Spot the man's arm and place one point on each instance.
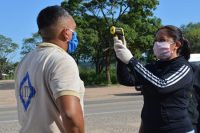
(71, 113)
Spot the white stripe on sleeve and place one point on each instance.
(162, 83)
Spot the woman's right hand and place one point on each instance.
(122, 52)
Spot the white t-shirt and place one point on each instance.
(43, 75)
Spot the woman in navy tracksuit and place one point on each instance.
(166, 83)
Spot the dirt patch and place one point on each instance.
(7, 97)
(108, 92)
(7, 92)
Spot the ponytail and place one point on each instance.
(185, 49)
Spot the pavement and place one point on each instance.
(7, 92)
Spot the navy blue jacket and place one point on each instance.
(166, 89)
(194, 103)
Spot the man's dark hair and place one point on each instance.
(50, 15)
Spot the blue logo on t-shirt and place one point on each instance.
(26, 91)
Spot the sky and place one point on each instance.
(18, 17)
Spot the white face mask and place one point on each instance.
(162, 50)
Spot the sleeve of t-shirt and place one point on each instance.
(64, 78)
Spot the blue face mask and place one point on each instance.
(72, 45)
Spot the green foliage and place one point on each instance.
(94, 19)
(90, 77)
(7, 47)
(192, 33)
(30, 43)
(9, 70)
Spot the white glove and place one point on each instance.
(122, 52)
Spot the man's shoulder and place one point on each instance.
(61, 56)
(49, 56)
(53, 52)
(59, 59)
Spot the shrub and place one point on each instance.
(89, 76)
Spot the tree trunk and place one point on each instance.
(108, 67)
(97, 67)
(98, 63)
(1, 76)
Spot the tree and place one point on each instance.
(6, 48)
(30, 43)
(191, 31)
(94, 19)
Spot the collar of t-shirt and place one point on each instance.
(46, 44)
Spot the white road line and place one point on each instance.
(8, 112)
(102, 113)
(8, 106)
(89, 114)
(112, 103)
(8, 121)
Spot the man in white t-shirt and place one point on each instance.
(48, 88)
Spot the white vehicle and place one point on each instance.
(195, 58)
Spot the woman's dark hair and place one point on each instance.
(176, 34)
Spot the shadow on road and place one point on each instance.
(7, 86)
(129, 94)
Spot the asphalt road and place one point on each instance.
(103, 116)
(114, 115)
(109, 114)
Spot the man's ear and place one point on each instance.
(65, 35)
